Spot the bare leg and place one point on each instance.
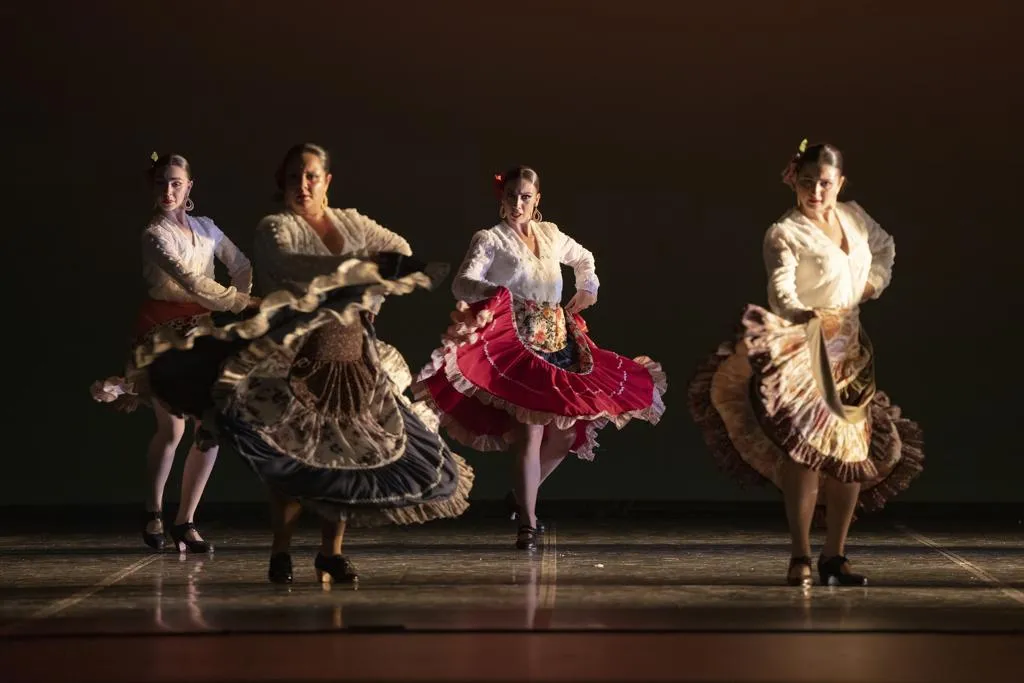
(800, 492)
(198, 466)
(160, 458)
(331, 565)
(554, 447)
(331, 536)
(284, 516)
(528, 471)
(840, 503)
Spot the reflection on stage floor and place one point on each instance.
(638, 578)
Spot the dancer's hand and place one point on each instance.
(109, 389)
(802, 317)
(461, 314)
(580, 302)
(465, 325)
(254, 302)
(869, 292)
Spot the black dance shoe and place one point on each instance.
(336, 569)
(182, 543)
(154, 541)
(280, 568)
(802, 580)
(514, 513)
(835, 571)
(526, 539)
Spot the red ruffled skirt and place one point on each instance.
(486, 380)
(126, 393)
(154, 314)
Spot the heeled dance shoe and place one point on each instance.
(280, 570)
(514, 512)
(526, 538)
(802, 580)
(156, 541)
(179, 534)
(335, 569)
(835, 571)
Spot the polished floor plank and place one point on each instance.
(603, 599)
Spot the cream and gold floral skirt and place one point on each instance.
(805, 393)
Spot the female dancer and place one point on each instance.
(517, 369)
(178, 252)
(304, 391)
(794, 400)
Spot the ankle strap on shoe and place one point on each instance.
(803, 559)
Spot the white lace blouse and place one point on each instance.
(289, 253)
(179, 266)
(807, 270)
(498, 257)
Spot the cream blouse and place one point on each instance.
(807, 270)
(179, 266)
(289, 253)
(498, 256)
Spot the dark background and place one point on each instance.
(659, 129)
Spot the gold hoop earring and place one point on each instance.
(189, 204)
(326, 204)
(502, 212)
(537, 215)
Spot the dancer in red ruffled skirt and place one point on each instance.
(517, 370)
